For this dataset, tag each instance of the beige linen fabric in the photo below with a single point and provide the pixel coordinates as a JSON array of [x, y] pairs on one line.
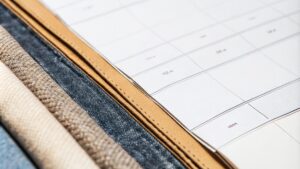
[[105, 152], [35, 128]]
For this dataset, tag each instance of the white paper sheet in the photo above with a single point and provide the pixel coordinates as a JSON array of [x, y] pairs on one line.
[[221, 67]]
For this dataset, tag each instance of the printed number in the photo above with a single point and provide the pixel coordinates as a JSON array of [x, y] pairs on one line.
[[271, 31], [252, 18], [151, 57], [167, 72], [88, 8], [232, 125], [203, 36], [220, 51]]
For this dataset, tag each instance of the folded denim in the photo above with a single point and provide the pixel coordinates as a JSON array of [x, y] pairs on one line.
[[105, 152], [12, 157], [100, 106], [36, 129]]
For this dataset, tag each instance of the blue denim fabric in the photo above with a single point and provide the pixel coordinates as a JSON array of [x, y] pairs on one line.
[[11, 156], [100, 106]]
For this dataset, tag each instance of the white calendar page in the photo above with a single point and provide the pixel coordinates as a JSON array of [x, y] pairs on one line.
[[226, 69]]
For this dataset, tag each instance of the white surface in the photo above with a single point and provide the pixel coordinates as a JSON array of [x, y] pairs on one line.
[[231, 125], [266, 147], [139, 41], [201, 38], [253, 19], [156, 78], [291, 125], [287, 6], [197, 100], [271, 32], [149, 59], [55, 4], [286, 54], [221, 52], [233, 8], [251, 76], [280, 102], [112, 27]]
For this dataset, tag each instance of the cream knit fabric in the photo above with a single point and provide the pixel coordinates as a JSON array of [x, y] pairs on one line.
[[35, 128]]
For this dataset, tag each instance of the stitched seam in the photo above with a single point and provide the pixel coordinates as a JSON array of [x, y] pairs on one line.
[[122, 91]]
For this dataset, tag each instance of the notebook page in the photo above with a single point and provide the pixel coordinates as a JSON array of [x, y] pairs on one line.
[[221, 67]]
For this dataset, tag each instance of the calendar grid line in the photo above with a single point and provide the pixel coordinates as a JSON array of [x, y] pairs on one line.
[[202, 47], [218, 65], [204, 28], [246, 102], [220, 55]]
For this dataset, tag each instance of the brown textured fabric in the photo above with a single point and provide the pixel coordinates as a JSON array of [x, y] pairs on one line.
[[105, 152]]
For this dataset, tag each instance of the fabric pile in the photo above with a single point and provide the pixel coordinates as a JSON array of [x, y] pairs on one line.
[[53, 116], [24, 113]]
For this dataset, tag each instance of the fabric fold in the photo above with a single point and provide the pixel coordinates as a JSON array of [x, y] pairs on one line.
[[35, 128], [105, 152]]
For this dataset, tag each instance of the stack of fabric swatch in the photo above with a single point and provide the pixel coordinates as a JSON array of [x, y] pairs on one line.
[[54, 116]]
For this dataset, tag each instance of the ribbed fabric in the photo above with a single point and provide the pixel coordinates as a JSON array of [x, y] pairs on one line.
[[105, 152], [36, 129]]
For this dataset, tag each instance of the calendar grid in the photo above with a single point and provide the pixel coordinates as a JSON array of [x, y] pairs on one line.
[[216, 58]]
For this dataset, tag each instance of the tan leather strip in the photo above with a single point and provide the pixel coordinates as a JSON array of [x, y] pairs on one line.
[[139, 105]]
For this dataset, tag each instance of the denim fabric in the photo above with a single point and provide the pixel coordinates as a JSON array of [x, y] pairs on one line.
[[107, 113], [11, 156]]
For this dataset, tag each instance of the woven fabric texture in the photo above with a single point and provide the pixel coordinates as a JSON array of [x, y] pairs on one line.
[[105, 152], [100, 106], [42, 136]]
